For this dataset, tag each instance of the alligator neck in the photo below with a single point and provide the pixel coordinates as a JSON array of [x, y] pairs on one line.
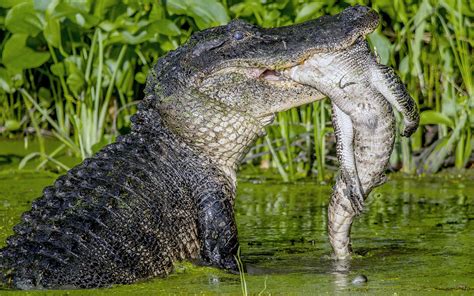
[[217, 132], [149, 123]]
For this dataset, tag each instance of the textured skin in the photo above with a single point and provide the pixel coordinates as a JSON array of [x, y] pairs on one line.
[[165, 192], [362, 93], [102, 222]]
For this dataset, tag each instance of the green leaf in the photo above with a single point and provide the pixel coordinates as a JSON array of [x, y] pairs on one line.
[[44, 94], [127, 37], [308, 11], [17, 77], [157, 13], [75, 74], [11, 3], [16, 55], [164, 27], [206, 13], [6, 81], [52, 32], [435, 117], [101, 7], [27, 158], [77, 12], [99, 145], [246, 9], [58, 69], [404, 67], [12, 125], [42, 5], [459, 153], [420, 23], [22, 18], [140, 77], [381, 45]]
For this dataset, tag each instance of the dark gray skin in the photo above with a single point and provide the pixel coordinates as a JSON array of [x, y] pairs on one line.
[[165, 192]]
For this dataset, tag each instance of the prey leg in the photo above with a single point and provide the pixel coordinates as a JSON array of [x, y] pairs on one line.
[[391, 87], [344, 131]]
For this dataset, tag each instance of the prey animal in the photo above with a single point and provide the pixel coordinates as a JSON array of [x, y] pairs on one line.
[[362, 94]]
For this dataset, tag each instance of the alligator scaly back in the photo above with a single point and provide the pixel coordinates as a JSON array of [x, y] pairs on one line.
[[120, 216]]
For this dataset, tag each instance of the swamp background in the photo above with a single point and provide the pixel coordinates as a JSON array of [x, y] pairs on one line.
[[72, 72]]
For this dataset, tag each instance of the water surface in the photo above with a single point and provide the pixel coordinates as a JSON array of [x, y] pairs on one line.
[[417, 237]]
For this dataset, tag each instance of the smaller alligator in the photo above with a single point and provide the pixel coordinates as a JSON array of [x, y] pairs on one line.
[[165, 192], [362, 93]]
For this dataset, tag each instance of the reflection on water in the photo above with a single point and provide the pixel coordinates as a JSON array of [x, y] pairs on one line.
[[415, 231], [340, 270], [417, 236]]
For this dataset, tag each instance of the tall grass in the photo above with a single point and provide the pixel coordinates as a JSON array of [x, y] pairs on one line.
[[75, 69]]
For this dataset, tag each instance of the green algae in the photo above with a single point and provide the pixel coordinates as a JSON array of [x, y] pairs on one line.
[[416, 237]]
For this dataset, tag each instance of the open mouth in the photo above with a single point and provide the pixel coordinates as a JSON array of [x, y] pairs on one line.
[[271, 75]]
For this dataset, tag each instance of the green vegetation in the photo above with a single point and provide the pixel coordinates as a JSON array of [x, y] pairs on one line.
[[75, 70]]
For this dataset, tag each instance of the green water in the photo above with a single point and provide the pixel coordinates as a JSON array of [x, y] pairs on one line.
[[417, 237]]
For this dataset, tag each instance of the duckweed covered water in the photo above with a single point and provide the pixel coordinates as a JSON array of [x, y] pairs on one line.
[[417, 237]]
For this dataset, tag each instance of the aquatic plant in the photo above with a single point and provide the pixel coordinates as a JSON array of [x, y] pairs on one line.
[[75, 70]]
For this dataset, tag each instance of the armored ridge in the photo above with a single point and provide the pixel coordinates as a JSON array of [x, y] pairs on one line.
[[126, 214]]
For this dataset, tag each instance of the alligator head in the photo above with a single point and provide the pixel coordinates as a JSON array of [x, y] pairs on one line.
[[220, 90]]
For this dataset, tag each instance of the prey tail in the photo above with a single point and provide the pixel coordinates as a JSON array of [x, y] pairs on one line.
[[340, 216]]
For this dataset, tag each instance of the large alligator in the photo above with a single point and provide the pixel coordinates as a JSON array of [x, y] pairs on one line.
[[165, 192]]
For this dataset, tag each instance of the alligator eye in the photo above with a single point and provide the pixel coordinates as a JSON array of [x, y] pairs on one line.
[[238, 35]]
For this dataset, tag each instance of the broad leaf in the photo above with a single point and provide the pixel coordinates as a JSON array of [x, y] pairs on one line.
[[16, 55], [11, 3], [206, 13], [12, 125], [52, 32], [164, 27], [309, 11], [58, 69], [435, 117], [23, 18], [381, 45], [6, 81]]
